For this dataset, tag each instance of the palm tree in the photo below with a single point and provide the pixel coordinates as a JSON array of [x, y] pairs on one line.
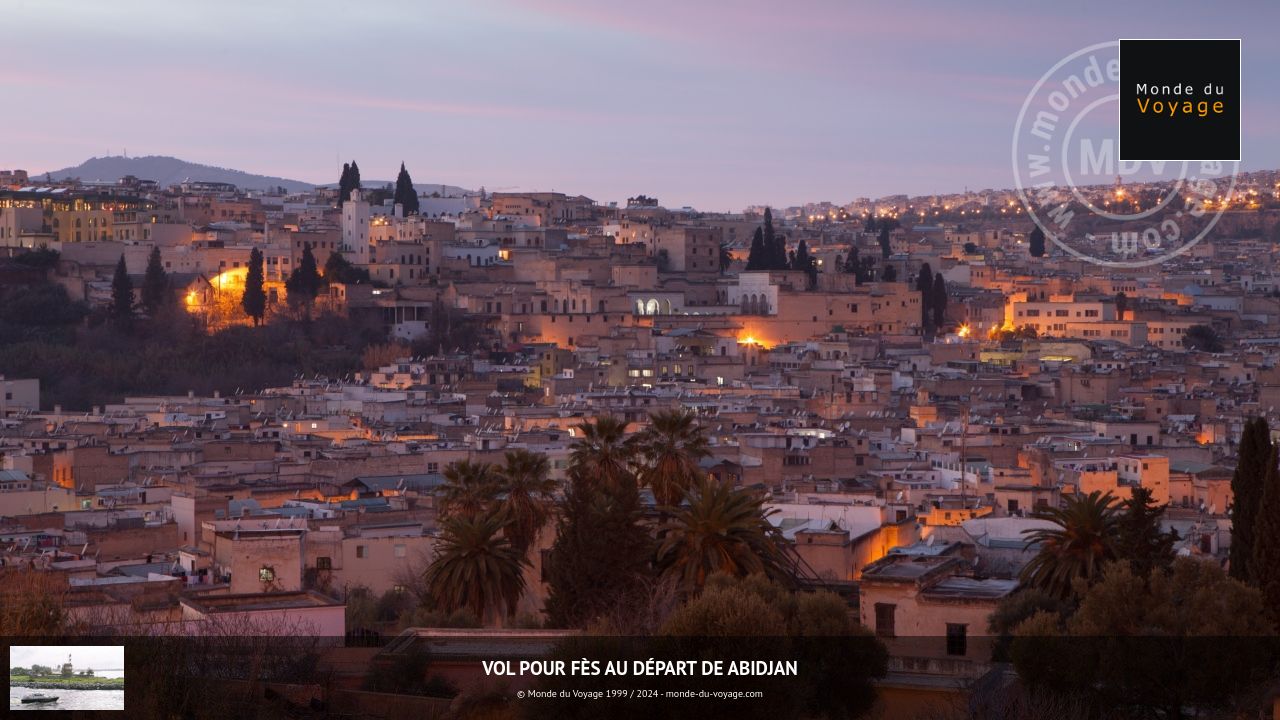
[[1083, 541], [720, 529], [602, 454], [525, 495], [671, 447], [476, 566], [469, 488]]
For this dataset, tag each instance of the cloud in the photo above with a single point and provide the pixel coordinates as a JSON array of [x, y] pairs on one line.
[[99, 657]]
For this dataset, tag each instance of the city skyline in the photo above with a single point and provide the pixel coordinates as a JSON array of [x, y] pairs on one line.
[[682, 102]]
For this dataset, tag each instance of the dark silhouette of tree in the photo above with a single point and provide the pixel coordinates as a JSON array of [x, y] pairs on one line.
[[726, 258], [1202, 337], [1081, 544], [406, 196], [775, 247], [885, 249], [338, 270], [121, 307], [476, 566], [671, 448], [889, 274], [1246, 489], [757, 259], [938, 299], [924, 285], [1140, 539], [1122, 304], [1266, 540], [254, 300], [304, 282], [349, 181], [970, 249], [155, 284], [869, 224], [1035, 242]]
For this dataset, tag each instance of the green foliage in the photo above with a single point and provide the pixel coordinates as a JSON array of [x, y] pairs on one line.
[[1265, 567], [338, 269], [1182, 638], [1246, 488], [469, 488], [768, 249], [40, 257], [1083, 541], [890, 273], [938, 300], [406, 674], [1140, 540], [885, 248], [720, 529], [349, 181], [254, 300], [671, 447], [304, 283], [476, 567], [156, 292], [526, 496], [602, 555], [121, 307]]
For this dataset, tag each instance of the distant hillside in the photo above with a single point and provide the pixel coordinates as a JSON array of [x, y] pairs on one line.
[[170, 171]]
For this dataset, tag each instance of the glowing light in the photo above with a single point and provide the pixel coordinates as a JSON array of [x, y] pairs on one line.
[[964, 331]]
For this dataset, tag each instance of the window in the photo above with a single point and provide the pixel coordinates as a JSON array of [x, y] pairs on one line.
[[360, 551], [267, 574], [399, 551], [324, 563], [957, 639], [884, 619]]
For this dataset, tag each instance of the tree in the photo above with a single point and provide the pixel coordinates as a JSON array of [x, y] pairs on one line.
[[1140, 540], [1266, 541], [1203, 338], [671, 448], [938, 299], [526, 495], [337, 269], [155, 284], [889, 274], [602, 455], [970, 249], [602, 555], [476, 567], [304, 282], [1083, 541], [1035, 242], [885, 248], [469, 488], [1122, 302], [1190, 637], [924, 285], [121, 307], [349, 181], [721, 529], [254, 299], [756, 258], [1246, 489], [775, 246], [406, 196]]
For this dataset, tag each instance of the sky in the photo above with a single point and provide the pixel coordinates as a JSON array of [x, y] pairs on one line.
[[715, 104], [101, 657]]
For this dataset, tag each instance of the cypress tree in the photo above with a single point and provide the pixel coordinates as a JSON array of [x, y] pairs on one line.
[[601, 555], [254, 300], [355, 176], [1246, 488], [405, 195], [924, 285], [155, 284], [885, 249], [775, 247], [304, 282], [1036, 242], [344, 183], [939, 300], [1265, 564], [756, 259], [121, 307], [889, 274]]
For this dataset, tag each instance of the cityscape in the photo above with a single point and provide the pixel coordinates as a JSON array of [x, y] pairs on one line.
[[365, 446]]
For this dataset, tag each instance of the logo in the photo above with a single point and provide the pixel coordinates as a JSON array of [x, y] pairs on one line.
[[1085, 199]]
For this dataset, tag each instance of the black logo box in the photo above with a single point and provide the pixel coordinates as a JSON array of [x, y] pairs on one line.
[[1185, 65]]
